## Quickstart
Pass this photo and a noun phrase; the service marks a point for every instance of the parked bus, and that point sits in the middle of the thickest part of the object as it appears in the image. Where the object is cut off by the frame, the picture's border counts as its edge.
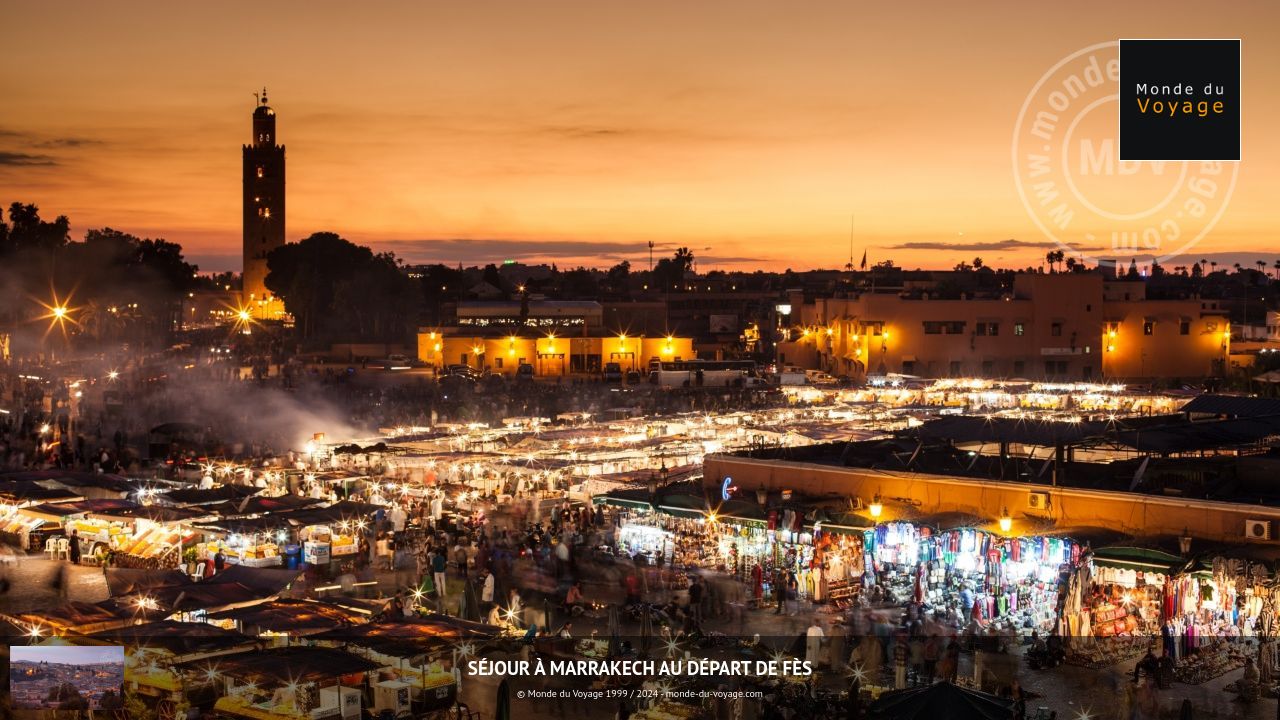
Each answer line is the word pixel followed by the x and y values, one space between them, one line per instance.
pixel 705 373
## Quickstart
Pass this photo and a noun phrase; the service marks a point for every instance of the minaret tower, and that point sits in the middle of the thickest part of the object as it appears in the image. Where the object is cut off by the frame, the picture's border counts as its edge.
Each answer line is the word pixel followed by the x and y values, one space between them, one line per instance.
pixel 263 210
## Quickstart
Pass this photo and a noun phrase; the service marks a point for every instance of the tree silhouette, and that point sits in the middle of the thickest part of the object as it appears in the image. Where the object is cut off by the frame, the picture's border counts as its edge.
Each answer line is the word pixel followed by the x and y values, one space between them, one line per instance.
pixel 669 273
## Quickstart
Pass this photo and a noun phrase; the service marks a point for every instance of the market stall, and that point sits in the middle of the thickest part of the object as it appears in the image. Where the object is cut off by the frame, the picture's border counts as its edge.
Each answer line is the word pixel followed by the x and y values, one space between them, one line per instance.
pixel 968 574
pixel 157 538
pixel 293 682
pixel 155 649
pixel 24 531
pixel 420 658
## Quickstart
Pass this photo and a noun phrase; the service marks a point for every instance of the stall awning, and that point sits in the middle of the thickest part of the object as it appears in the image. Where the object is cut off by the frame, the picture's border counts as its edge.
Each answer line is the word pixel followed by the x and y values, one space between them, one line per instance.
pixel 1141 559
pixel 179 638
pixel 295 617
pixel 58 511
pixel 284 665
pixel 622 501
pixel 412 637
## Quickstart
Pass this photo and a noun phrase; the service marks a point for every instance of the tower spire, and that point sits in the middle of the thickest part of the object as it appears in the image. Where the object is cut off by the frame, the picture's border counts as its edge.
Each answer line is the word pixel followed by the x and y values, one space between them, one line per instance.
pixel 264 94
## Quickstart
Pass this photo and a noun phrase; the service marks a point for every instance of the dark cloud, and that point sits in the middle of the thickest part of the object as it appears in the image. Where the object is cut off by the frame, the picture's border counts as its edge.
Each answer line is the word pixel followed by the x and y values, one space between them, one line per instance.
pixel 593 253
pixel 979 246
pixel 586 132
pixel 17 159
pixel 67 142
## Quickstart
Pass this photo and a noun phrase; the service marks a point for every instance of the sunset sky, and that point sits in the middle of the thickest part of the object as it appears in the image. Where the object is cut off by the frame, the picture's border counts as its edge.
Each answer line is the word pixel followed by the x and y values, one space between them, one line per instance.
pixel 577 132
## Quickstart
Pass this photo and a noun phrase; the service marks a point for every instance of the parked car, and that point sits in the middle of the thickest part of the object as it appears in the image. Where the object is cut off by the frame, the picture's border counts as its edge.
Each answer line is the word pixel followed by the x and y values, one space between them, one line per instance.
pixel 524 373
pixel 612 372
pixel 464 371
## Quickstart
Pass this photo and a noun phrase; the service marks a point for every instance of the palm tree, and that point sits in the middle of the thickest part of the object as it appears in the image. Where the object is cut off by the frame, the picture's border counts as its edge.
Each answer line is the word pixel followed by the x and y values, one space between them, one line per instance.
pixel 1262 266
pixel 1277 267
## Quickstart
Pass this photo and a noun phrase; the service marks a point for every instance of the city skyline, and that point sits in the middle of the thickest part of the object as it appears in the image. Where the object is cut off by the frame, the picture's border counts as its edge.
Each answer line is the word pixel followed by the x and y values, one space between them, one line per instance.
pixel 575 133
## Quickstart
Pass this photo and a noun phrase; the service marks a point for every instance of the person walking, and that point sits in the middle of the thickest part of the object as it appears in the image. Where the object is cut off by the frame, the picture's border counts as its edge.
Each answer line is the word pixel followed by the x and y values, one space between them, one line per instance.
pixel 439 564
pixel 73 548
pixel 486 591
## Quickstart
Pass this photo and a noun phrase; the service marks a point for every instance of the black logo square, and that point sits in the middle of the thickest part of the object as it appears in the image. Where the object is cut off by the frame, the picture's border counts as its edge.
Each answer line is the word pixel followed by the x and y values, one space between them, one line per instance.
pixel 1180 99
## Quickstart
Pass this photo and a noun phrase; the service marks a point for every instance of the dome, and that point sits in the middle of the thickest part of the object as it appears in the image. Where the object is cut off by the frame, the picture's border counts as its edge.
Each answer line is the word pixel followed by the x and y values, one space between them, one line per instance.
pixel 263 111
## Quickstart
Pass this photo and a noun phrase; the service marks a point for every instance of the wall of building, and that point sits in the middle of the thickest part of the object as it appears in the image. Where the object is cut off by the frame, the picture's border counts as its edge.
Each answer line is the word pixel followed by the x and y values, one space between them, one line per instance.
pixel 1163 338
pixel 1050 326
pixel 549 355
pixel 911 495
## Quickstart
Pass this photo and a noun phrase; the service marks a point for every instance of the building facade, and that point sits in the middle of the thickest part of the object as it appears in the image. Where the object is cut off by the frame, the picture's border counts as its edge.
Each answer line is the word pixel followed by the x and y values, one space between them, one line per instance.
pixel 1068 327
pixel 264 211
pixel 549 354
pixel 555 337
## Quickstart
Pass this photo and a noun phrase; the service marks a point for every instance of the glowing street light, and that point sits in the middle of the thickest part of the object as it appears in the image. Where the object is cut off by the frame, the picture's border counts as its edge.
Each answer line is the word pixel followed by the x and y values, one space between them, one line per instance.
pixel 876 507
pixel 1006 522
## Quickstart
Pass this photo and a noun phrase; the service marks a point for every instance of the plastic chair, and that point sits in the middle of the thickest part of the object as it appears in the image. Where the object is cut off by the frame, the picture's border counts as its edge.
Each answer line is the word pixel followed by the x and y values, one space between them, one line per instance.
pixel 199 573
pixel 51 546
pixel 64 548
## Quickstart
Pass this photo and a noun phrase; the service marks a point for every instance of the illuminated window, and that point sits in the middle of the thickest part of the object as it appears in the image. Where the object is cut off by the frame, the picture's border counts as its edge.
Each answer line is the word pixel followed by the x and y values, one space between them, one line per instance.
pixel 259 171
pixel 1019 329
pixel 1148 328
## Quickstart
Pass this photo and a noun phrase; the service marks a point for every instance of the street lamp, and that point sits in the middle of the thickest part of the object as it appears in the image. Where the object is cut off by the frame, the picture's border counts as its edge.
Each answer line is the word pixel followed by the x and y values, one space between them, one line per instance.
pixel 1184 543
pixel 1006 522
pixel 876 507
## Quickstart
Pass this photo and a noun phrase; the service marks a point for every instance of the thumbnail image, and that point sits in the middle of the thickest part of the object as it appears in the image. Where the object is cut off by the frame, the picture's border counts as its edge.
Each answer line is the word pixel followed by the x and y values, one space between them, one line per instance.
pixel 66 677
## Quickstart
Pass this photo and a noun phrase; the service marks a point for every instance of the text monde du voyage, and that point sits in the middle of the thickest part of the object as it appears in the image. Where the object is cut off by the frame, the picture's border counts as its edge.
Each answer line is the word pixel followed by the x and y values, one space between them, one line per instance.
pixel 1179 99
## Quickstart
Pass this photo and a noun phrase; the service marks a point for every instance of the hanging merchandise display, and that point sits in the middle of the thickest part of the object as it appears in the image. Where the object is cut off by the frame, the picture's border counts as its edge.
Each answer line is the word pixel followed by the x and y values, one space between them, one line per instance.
pixel 968 575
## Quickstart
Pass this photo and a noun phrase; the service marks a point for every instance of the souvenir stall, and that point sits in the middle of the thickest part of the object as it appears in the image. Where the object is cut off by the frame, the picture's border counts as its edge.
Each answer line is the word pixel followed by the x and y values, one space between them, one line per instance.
pixel 650 536
pixel 1014 579
pixel 1112 605
pixel 1121 599
pixel 1208 609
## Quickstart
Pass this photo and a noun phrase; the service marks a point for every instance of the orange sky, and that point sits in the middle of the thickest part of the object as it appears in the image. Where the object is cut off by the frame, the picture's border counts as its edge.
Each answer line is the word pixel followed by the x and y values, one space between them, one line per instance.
pixel 579 131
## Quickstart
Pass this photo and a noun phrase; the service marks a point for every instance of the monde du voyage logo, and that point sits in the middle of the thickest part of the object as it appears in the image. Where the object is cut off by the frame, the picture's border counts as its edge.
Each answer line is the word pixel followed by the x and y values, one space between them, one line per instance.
pixel 1125 148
